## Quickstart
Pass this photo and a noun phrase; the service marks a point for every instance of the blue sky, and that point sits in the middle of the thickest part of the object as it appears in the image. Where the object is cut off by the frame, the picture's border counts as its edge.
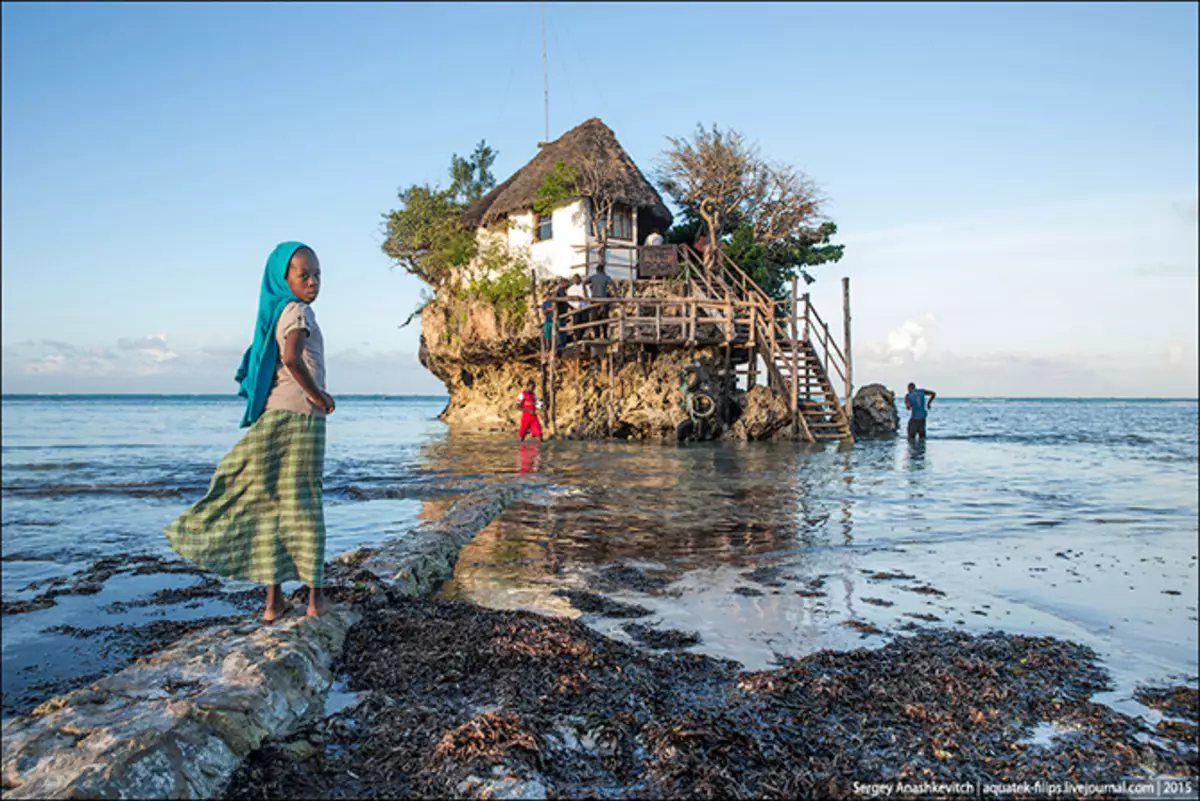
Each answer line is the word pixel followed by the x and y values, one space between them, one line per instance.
pixel 1016 184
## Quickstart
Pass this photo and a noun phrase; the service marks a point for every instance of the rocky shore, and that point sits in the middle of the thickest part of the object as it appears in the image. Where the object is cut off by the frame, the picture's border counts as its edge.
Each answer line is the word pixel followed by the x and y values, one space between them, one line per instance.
pixel 176 724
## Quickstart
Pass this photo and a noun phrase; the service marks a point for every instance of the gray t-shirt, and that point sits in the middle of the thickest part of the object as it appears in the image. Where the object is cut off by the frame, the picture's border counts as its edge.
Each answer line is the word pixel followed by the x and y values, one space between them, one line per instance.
pixel 286 393
pixel 598 284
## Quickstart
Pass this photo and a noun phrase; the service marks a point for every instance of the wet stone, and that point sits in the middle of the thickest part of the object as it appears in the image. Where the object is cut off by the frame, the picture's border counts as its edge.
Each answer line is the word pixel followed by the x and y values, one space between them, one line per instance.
pixel 749 592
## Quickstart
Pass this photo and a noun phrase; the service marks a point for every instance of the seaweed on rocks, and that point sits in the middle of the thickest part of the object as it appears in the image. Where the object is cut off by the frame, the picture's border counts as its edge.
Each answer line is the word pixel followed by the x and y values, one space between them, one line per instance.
pixel 625 577
pixel 1178 702
pixel 460 700
pixel 655 638
pixel 768 576
pixel 592 603
pixel 91 579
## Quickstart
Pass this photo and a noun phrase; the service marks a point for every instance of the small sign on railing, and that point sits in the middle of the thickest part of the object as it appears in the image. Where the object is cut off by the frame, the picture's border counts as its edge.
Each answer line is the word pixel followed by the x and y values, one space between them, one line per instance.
pixel 657 261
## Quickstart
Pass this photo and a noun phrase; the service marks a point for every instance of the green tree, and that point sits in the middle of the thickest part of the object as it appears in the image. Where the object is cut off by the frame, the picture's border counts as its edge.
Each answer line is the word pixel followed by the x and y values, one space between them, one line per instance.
pixel 426 236
pixel 471 179
pixel 766 216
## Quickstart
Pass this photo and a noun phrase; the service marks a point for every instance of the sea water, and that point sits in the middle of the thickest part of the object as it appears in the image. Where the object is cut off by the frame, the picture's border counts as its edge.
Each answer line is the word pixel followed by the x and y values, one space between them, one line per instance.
pixel 1072 518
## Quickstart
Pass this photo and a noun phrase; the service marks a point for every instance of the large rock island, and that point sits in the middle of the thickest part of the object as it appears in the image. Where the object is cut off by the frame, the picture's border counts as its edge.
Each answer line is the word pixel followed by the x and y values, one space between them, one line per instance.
pixel 485 357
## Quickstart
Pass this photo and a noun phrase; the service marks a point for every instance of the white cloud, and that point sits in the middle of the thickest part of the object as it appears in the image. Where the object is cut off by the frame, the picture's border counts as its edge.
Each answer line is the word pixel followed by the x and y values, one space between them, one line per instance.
pixel 150 352
pixel 50 363
pixel 151 364
pixel 903 345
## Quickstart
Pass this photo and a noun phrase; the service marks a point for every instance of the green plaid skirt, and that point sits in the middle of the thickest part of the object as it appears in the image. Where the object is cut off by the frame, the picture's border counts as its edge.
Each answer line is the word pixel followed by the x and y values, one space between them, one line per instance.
pixel 262 518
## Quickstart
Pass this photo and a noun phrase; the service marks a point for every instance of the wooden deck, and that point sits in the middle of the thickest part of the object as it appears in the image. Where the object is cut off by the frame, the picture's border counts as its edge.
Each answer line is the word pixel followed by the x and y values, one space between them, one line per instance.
pixel 720 306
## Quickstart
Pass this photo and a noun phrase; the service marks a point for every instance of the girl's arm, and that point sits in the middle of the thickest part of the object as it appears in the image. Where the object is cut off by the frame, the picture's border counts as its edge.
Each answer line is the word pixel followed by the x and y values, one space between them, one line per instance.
pixel 293 360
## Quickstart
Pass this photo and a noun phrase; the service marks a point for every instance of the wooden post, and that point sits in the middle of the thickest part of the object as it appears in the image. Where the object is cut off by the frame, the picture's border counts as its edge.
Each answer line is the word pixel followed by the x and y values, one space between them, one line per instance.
pixel 806 316
pixel 658 322
pixel 846 341
pixel 752 364
pixel 621 323
pixel 611 394
pixel 553 352
pixel 795 366
pixel 826 327
pixel 772 367
pixel 692 325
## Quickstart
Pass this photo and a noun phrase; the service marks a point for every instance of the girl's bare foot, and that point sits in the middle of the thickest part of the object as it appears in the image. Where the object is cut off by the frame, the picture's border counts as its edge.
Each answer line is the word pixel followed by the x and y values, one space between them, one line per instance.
pixel 318 604
pixel 277 605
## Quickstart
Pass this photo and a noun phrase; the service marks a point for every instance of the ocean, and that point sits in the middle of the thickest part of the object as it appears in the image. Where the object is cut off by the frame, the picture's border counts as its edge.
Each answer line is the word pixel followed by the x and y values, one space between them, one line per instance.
pixel 1072 518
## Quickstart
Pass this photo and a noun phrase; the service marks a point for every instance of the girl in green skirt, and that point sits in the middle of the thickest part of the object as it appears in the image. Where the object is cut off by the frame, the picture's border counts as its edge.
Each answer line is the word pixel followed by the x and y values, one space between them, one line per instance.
pixel 262 518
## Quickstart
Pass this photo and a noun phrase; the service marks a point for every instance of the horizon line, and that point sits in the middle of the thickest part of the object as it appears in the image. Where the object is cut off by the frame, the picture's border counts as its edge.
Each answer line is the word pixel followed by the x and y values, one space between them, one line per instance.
pixel 446 395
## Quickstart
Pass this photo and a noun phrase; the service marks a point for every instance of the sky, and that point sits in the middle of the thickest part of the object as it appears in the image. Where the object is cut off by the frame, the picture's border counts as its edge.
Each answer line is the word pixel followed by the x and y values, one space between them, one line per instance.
pixel 1015 184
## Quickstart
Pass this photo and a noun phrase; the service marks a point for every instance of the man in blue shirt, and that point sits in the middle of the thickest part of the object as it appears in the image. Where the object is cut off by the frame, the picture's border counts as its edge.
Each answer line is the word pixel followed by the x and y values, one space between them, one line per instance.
pixel 915 402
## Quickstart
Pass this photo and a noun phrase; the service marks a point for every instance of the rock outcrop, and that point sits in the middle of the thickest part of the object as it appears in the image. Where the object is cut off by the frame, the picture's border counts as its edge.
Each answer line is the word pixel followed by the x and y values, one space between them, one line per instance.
pixel 484 360
pixel 875 414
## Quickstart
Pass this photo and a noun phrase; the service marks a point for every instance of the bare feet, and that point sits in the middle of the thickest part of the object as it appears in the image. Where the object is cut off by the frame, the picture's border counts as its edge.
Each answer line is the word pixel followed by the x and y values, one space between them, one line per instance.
pixel 277 605
pixel 318 604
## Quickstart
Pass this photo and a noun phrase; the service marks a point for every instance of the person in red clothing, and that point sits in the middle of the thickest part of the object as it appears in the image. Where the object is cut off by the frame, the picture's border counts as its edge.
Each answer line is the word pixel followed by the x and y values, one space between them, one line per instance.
pixel 528 403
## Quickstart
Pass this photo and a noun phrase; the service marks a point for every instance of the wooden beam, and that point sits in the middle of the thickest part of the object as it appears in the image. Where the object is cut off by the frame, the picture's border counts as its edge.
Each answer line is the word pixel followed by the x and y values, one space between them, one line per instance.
pixel 795 363
pixel 846 339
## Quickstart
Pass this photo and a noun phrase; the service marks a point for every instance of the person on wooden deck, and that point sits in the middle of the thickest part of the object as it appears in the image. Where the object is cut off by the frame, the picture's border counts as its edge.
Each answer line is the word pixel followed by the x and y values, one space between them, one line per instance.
pixel 528 403
pixel 915 402
pixel 578 300
pixel 599 286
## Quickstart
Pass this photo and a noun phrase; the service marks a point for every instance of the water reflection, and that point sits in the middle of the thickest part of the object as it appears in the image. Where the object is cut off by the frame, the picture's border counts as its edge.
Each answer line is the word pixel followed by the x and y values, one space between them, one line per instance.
pixel 886 534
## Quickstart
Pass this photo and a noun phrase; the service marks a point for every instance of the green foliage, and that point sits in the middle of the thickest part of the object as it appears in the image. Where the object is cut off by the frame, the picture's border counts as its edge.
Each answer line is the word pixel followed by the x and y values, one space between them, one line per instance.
pixel 557 188
pixel 471 179
pixel 771 265
pixel 425 236
pixel 503 282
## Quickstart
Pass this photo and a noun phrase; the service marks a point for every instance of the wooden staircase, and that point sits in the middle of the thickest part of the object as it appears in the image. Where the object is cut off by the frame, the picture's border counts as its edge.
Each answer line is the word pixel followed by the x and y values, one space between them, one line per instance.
pixel 794 342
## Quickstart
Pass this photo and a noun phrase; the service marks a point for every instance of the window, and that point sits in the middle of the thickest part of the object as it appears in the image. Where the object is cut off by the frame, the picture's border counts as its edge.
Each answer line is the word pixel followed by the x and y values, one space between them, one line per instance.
pixel 622 223
pixel 545 227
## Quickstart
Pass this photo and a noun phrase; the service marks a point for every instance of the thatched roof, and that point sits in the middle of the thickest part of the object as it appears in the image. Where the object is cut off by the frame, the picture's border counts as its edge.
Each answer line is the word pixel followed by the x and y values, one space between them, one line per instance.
pixel 593 136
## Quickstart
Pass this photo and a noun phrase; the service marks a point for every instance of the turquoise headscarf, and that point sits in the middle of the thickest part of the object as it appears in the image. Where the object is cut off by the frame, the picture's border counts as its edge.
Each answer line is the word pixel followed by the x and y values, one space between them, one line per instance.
pixel 258 364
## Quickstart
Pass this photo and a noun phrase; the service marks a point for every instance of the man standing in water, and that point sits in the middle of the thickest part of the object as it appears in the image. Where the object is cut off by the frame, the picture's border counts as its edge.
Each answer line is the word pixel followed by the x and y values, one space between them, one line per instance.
pixel 915 402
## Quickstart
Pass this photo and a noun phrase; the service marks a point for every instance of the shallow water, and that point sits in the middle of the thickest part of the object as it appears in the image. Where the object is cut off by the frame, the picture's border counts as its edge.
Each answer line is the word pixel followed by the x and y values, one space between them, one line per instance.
pixel 1071 518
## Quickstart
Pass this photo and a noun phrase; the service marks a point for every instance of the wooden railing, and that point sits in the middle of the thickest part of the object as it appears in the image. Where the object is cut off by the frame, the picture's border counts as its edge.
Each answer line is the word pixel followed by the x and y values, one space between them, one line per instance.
pixel 720 304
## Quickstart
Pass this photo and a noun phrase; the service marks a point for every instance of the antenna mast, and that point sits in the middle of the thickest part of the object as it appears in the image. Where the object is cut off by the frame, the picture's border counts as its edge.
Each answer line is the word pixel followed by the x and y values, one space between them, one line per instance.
pixel 545 72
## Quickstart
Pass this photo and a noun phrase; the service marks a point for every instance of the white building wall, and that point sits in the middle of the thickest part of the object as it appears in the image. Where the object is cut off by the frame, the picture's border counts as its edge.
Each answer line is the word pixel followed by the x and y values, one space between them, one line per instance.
pixel 571 248
pixel 562 255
